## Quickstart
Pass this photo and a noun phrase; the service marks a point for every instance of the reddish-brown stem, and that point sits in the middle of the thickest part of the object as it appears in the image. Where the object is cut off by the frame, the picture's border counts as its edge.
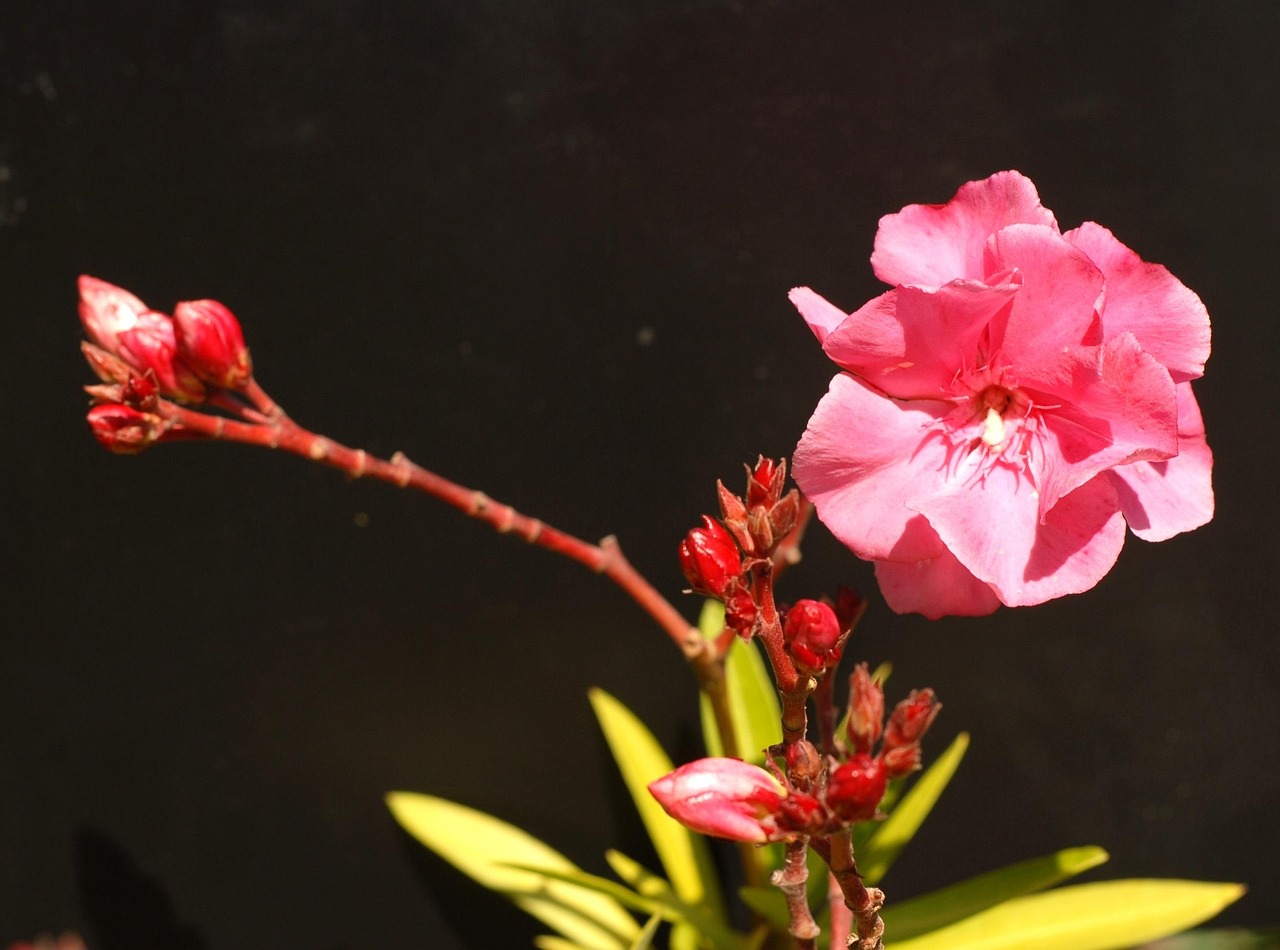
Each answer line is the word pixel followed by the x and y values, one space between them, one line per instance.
pixel 825 709
pixel 794 687
pixel 864 902
pixel 791 879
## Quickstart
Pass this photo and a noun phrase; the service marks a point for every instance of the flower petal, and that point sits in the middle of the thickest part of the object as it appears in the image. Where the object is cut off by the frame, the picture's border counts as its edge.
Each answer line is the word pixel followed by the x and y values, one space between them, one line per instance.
pixel 935 244
pixel 861 458
pixel 1057 305
pixel 910 342
pixel 821 315
pixel 936 587
pixel 719 796
pixel 1144 299
pixel 1115 404
pixel 1161 499
pixel 993 528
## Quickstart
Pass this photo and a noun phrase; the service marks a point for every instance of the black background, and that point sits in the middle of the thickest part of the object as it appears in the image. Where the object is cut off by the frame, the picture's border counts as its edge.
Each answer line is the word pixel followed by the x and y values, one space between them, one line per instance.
pixel 545 247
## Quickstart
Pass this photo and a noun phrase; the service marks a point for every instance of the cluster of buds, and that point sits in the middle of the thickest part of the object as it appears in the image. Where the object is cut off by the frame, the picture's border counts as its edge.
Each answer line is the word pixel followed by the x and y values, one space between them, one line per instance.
pixel 817 794
pixel 899 741
pixel 719 557
pixel 143 356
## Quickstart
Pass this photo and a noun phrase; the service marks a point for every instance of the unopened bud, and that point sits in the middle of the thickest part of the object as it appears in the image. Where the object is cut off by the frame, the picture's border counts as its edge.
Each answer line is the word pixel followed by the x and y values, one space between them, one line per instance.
pixel 902 760
pixel 709 557
pixel 726 798
pixel 804 764
pixel 855 788
pixel 151 346
pixel 911 718
pixel 106 311
pixel 813 635
pixel 212 344
pixel 123 429
pixel 866 711
pixel 765 481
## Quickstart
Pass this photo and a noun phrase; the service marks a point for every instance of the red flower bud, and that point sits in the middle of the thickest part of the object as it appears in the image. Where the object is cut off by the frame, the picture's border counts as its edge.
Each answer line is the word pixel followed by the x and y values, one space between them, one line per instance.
pixel 709 557
pixel 212 343
pixel 866 711
pixel 123 429
pixel 765 481
pixel 855 788
pixel 813 635
pixel 106 311
pixel 902 760
pixel 911 718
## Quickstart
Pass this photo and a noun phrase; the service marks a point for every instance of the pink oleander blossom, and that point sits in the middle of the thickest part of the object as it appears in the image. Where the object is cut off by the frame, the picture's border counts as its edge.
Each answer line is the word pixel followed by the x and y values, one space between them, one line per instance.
pixel 1002 413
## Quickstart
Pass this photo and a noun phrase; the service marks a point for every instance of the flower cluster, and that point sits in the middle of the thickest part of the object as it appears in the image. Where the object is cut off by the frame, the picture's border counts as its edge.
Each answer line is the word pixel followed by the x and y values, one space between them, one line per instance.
pixel 1000 415
pixel 143 356
pixel 817 794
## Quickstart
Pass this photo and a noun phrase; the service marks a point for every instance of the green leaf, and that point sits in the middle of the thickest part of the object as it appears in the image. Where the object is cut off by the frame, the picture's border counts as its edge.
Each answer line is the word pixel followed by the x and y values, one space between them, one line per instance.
pixel 644 939
pixel 640 758
pixel 888 840
pixel 1224 939
pixel 545 942
pixel 710 925
pixel 946 906
pixel 750 694
pixel 483 848
pixel 1105 916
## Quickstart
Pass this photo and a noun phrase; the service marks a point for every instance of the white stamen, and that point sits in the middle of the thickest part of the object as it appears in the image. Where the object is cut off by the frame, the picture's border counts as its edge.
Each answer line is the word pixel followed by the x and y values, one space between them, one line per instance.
pixel 993 429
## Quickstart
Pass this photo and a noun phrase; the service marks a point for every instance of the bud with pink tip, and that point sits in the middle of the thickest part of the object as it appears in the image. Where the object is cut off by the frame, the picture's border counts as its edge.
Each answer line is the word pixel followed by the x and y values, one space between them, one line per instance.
pixel 212 343
pixel 813 635
pixel 856 787
pixel 107 310
pixel 709 557
pixel 123 429
pixel 866 711
pixel 725 798
pixel 911 718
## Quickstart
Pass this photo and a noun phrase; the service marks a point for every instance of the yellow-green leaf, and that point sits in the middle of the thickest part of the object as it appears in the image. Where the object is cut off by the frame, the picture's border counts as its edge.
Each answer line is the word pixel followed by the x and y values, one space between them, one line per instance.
pixel 940 908
pixel 888 840
pixel 644 939
pixel 691 920
pixel 640 759
pixel 484 848
pixel 1105 916
pixel 753 704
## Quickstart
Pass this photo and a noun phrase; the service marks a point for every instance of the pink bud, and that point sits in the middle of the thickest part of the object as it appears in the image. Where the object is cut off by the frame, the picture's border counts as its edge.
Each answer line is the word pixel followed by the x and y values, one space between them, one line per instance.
pixel 855 788
pixel 151 346
pixel 709 557
pixel 725 798
pixel 124 430
pixel 902 760
pixel 911 718
pixel 765 481
pixel 813 634
pixel 866 711
pixel 212 343
pixel 106 310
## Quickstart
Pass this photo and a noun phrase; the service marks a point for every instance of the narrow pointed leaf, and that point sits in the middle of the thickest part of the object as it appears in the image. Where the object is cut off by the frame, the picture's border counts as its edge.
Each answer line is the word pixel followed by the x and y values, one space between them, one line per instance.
pixel 1231 938
pixel 943 907
pixel 547 942
pixel 888 840
pixel 711 926
pixel 750 694
pixel 483 848
pixel 684 855
pixel 1110 915
pixel 644 939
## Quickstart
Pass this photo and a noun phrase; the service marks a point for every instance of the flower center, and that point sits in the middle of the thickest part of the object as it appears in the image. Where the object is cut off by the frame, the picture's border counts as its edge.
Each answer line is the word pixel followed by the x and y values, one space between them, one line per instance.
pixel 992 403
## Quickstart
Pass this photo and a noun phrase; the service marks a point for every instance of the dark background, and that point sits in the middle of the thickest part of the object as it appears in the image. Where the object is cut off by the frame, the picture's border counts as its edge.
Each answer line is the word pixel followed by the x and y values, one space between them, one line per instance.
pixel 545 247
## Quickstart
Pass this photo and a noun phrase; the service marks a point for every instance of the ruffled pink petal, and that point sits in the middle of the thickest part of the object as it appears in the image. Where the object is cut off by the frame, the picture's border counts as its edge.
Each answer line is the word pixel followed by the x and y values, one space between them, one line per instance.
pixel 1109 405
pixel 1144 299
pixel 1057 305
pixel 821 315
pixel 860 460
pixel 934 244
pixel 1161 499
pixel 910 342
pixel 936 587
pixel 993 527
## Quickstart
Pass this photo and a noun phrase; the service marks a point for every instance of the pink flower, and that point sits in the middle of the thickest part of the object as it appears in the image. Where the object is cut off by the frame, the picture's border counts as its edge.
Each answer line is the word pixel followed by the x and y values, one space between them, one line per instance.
pixel 725 798
pixel 1002 413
